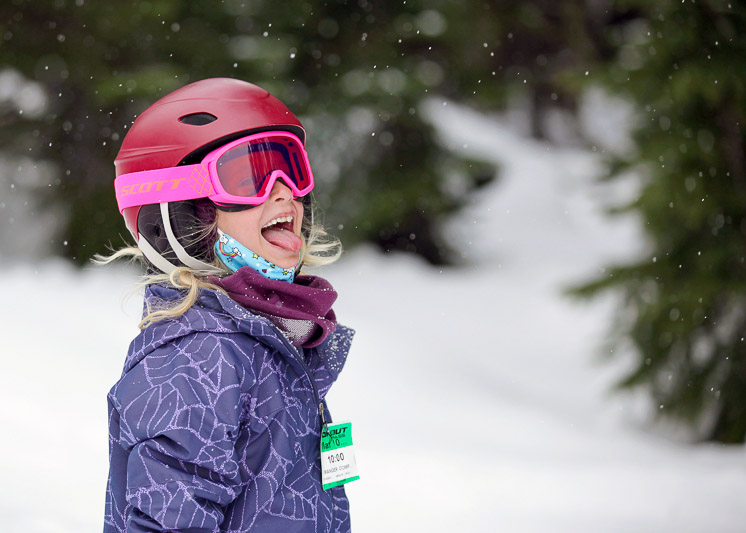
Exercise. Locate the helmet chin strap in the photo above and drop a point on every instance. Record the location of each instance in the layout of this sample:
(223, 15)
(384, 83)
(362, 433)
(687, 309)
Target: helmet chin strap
(152, 255)
(176, 246)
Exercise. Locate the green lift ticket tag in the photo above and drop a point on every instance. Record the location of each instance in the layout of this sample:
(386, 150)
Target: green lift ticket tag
(338, 464)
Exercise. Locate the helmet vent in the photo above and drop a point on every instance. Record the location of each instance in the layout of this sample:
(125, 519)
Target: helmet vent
(198, 119)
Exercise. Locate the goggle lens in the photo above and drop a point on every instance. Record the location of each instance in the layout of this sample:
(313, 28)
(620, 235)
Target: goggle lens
(243, 170)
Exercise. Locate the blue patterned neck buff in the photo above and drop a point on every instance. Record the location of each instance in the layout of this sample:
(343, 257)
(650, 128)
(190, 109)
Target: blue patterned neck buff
(235, 255)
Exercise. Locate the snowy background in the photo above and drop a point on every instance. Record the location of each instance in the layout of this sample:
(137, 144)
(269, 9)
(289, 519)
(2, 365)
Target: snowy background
(478, 396)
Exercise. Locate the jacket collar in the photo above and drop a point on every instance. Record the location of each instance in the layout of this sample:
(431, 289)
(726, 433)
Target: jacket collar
(215, 312)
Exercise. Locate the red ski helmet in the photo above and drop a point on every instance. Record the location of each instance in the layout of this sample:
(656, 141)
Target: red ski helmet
(181, 128)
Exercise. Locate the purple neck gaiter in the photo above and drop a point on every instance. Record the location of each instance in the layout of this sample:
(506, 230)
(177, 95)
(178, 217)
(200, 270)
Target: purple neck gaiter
(302, 309)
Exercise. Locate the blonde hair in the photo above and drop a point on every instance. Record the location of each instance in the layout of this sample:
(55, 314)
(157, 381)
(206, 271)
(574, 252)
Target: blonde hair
(319, 248)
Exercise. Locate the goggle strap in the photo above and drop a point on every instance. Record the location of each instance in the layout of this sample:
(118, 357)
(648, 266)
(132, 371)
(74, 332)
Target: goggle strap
(173, 184)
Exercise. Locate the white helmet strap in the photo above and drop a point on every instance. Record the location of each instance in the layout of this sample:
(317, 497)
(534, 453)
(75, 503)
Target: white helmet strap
(176, 246)
(152, 255)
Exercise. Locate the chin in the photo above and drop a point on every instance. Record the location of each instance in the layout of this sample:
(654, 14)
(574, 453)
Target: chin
(283, 261)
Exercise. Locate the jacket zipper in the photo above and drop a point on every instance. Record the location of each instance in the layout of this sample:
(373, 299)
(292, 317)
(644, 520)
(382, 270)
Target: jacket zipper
(304, 366)
(307, 371)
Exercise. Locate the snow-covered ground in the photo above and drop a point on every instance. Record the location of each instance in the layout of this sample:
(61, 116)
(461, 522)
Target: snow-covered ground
(477, 396)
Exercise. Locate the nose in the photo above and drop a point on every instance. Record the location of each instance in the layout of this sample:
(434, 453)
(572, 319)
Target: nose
(280, 192)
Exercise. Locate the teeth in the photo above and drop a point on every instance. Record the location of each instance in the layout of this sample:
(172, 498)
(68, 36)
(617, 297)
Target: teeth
(278, 220)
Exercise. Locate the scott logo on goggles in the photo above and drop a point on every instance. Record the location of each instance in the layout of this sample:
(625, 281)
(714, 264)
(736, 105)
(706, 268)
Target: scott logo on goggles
(148, 186)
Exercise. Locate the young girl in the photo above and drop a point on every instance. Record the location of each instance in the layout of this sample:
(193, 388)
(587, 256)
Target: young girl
(216, 421)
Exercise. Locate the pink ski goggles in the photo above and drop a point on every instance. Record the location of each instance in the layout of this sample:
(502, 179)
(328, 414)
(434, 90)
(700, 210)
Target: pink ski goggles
(242, 172)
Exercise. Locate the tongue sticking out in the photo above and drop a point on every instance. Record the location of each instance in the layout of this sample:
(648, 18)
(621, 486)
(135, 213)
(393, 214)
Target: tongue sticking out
(283, 238)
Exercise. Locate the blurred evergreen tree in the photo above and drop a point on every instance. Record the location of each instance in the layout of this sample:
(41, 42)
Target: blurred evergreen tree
(355, 71)
(684, 65)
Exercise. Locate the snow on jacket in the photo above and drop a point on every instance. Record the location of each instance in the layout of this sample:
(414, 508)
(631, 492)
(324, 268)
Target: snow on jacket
(214, 426)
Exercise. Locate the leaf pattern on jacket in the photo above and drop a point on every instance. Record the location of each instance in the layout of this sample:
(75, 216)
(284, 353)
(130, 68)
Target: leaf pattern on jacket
(214, 426)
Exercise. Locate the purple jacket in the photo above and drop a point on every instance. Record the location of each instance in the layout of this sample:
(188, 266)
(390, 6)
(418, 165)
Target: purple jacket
(214, 426)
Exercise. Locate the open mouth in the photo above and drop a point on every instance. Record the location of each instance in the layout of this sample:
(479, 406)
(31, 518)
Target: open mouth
(280, 232)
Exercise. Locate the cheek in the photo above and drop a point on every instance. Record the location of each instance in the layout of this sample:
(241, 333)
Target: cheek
(299, 217)
(241, 225)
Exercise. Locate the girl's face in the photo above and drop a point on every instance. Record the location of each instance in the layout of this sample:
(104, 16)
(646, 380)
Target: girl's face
(271, 229)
